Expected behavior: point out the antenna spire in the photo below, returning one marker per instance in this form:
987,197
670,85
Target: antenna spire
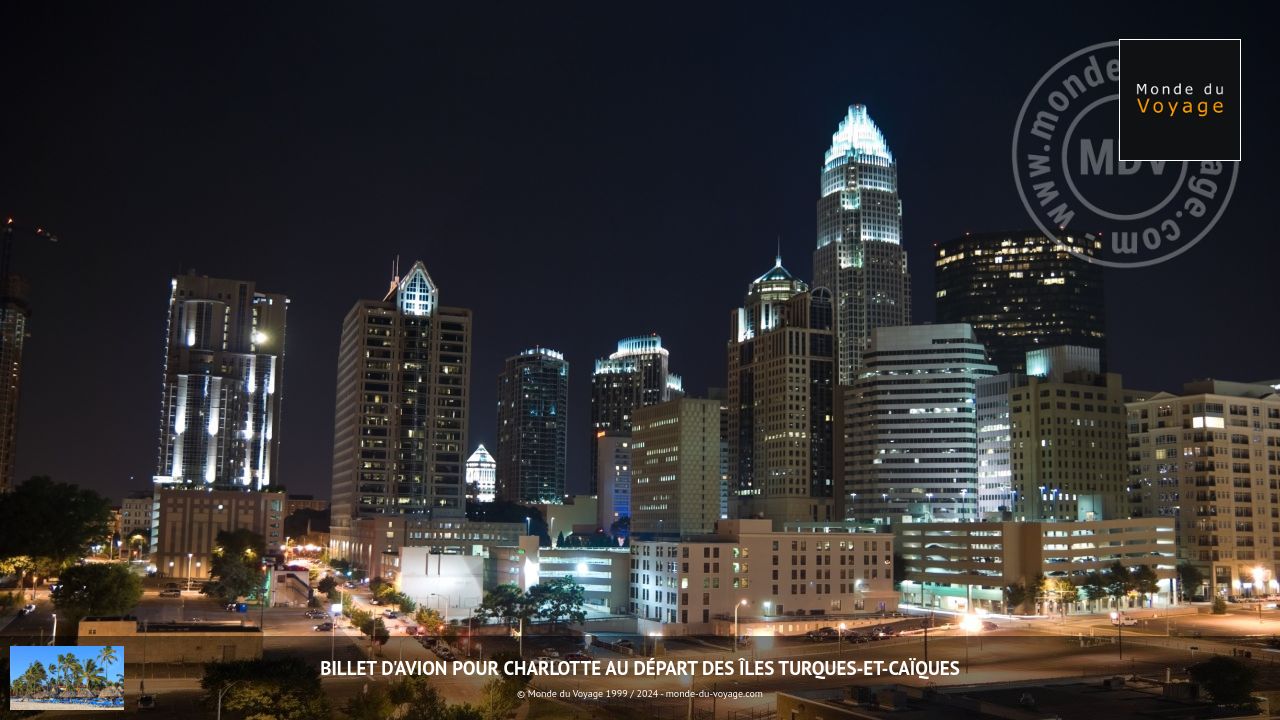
777,259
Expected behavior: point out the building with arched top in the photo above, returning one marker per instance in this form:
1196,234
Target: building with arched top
860,257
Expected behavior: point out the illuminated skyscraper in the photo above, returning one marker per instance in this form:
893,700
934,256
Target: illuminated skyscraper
911,429
1021,291
400,426
223,375
533,422
481,475
635,376
860,258
779,399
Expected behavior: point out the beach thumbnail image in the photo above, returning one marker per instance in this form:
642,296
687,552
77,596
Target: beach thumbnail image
73,677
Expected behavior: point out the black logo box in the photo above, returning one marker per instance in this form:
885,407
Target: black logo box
1188,67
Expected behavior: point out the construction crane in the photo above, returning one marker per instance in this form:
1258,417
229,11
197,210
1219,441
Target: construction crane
6,255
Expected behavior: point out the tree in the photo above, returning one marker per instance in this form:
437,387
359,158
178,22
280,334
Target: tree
96,589
327,584
1228,681
1145,581
1119,582
428,618
283,689
55,521
236,568
1015,596
1095,587
505,603
1219,605
1190,580
558,599
621,528
499,698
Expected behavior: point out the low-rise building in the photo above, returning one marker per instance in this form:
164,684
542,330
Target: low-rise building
966,566
172,643
374,543
780,582
189,521
603,572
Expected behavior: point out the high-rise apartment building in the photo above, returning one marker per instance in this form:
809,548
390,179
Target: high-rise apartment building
533,422
995,471
911,441
781,359
14,314
403,396
1210,458
675,477
223,376
482,474
635,375
1021,291
860,258
613,477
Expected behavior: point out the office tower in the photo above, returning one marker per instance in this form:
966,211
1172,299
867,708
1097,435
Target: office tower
533,421
675,479
995,474
860,258
223,376
14,314
1021,291
912,431
1068,437
1210,458
633,376
400,423
482,473
722,396
612,477
781,358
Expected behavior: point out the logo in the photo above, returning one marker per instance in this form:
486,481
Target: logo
1073,184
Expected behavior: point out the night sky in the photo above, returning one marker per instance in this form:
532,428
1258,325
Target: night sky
573,178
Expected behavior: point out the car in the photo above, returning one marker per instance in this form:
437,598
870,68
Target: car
988,625
744,641
146,702
428,641
313,614
626,644
577,656
1124,620
171,592
375,601
443,652
349,585
550,653
27,609
390,614
324,627
822,633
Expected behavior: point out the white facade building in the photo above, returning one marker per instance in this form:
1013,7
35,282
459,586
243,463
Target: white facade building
777,580
482,473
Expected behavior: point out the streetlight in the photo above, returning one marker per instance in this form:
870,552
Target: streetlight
840,637
741,603
53,639
189,556
1118,619
969,624
222,692
1259,577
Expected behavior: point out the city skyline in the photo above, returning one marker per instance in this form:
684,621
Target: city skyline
131,222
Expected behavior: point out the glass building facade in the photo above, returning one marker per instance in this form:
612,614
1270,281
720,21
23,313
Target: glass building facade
1022,291
533,422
